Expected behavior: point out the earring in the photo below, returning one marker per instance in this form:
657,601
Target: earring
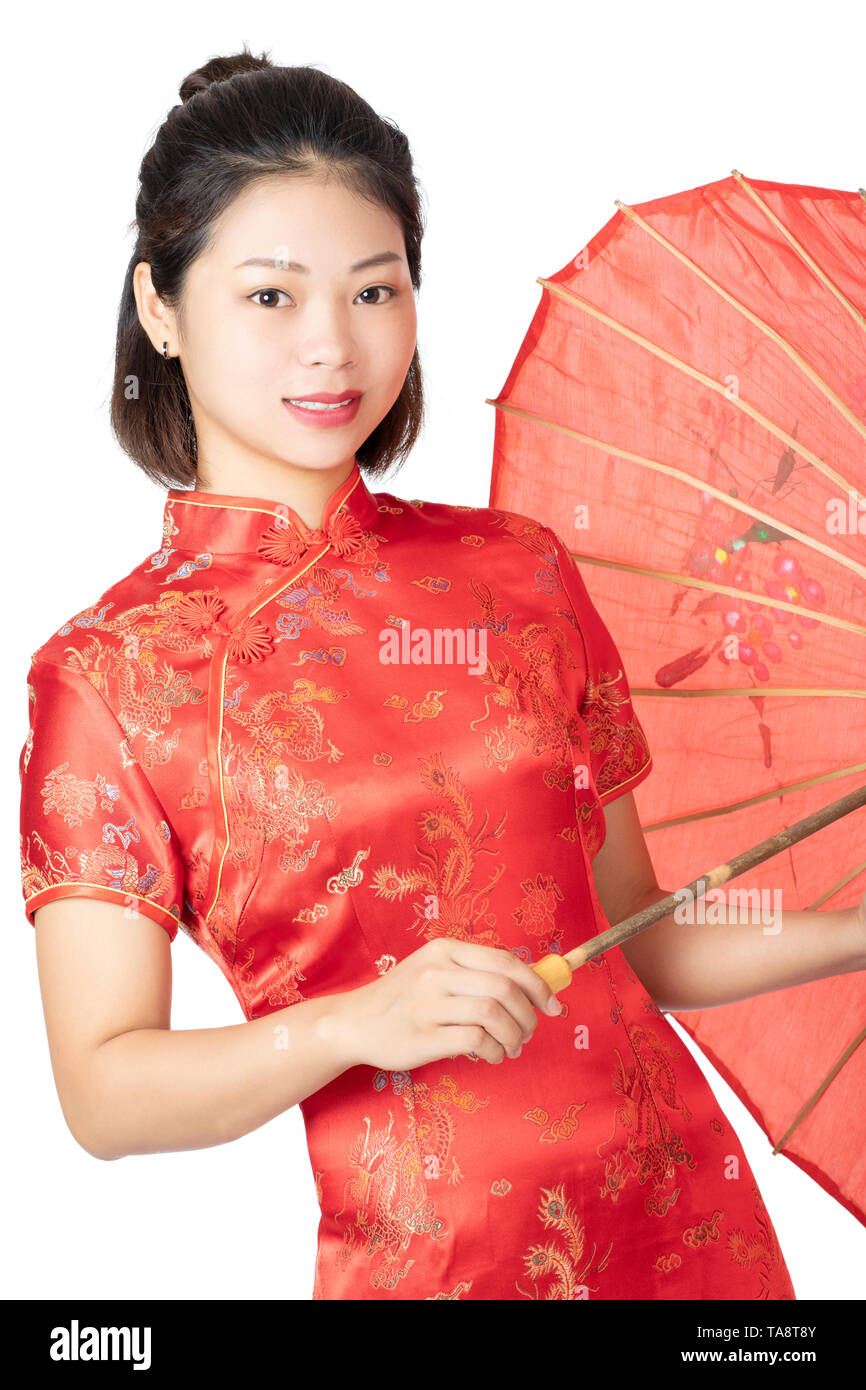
165,349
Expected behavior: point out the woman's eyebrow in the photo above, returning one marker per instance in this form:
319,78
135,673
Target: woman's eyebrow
383,258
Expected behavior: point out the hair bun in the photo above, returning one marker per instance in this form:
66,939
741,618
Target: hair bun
220,70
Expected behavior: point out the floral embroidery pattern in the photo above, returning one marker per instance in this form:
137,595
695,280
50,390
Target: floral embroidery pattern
759,1250
618,743
650,1150
565,1262
449,846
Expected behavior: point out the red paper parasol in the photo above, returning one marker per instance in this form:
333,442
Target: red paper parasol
688,412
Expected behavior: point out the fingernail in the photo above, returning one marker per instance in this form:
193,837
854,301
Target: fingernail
554,1006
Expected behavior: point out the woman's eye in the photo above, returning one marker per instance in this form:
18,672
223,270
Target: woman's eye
374,288
258,292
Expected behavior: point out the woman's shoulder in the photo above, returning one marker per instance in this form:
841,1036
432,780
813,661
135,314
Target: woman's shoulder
451,519
108,620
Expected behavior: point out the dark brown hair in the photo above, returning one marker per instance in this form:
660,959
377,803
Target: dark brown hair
240,119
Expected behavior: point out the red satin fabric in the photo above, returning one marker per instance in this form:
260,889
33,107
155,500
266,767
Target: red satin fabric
217,743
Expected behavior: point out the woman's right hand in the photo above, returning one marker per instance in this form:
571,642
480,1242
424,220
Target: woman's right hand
449,997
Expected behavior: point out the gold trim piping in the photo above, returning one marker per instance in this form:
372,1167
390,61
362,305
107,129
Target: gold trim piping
219,758
275,593
231,507
620,785
222,506
103,888
262,511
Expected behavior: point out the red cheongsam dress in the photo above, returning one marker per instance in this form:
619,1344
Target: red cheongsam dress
316,750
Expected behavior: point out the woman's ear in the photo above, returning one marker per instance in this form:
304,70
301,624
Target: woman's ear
156,319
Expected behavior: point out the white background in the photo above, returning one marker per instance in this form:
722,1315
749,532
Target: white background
526,122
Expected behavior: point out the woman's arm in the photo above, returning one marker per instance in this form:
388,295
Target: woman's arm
130,1084
686,965
127,1082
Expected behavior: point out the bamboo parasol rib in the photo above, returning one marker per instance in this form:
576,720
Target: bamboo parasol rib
800,249
816,1096
786,790
688,480
690,582
577,302
786,347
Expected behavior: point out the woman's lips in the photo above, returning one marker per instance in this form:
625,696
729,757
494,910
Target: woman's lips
322,418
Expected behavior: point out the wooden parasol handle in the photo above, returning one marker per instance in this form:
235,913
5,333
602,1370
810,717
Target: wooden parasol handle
557,970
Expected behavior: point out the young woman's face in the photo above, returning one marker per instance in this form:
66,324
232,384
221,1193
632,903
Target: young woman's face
257,331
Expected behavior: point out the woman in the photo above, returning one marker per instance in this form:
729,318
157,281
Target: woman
375,757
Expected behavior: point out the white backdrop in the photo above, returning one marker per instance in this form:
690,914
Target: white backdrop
526,122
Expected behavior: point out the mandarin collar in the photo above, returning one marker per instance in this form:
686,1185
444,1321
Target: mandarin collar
220,523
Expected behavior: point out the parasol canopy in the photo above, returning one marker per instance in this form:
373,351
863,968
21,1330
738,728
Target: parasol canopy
688,412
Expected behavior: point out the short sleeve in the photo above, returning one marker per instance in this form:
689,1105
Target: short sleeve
91,824
619,750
